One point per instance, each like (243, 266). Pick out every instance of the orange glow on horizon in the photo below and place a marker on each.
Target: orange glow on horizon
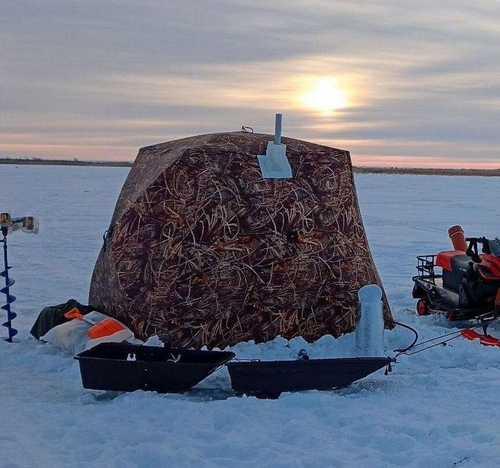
(128, 153)
(420, 162)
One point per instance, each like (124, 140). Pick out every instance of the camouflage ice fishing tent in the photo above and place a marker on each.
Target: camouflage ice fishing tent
(203, 250)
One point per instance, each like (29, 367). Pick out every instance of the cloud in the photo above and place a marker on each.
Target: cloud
(97, 79)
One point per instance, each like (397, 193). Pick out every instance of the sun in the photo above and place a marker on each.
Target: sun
(325, 96)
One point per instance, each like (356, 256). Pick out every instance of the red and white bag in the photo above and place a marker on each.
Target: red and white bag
(86, 331)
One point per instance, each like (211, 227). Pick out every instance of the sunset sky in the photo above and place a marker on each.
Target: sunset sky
(402, 83)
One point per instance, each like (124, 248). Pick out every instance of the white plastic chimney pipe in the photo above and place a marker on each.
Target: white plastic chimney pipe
(370, 329)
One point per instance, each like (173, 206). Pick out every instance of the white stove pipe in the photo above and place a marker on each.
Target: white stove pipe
(370, 328)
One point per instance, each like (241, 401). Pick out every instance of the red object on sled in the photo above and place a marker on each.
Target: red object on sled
(486, 340)
(470, 334)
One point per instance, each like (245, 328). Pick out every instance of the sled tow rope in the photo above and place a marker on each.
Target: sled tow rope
(415, 347)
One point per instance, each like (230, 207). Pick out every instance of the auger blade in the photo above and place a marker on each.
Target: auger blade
(5, 289)
(10, 300)
(11, 316)
(12, 334)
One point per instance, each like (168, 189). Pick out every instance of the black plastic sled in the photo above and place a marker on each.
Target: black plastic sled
(268, 379)
(125, 367)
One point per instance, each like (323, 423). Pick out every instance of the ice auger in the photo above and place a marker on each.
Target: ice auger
(7, 225)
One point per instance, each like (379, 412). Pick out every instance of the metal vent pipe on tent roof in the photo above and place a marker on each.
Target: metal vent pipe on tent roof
(277, 129)
(274, 164)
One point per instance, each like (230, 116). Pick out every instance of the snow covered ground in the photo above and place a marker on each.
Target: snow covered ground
(437, 409)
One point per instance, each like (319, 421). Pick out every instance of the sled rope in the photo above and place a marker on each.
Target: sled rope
(403, 350)
(414, 345)
(452, 336)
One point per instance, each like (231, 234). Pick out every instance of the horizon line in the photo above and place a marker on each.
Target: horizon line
(394, 169)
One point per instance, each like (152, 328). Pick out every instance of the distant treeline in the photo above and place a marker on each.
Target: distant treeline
(428, 171)
(63, 162)
(357, 169)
